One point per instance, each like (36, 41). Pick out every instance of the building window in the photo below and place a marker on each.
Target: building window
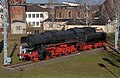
(37, 15)
(69, 14)
(36, 31)
(26, 15)
(18, 27)
(24, 31)
(50, 25)
(96, 18)
(33, 15)
(37, 23)
(29, 15)
(29, 24)
(59, 26)
(78, 14)
(41, 15)
(33, 23)
(59, 14)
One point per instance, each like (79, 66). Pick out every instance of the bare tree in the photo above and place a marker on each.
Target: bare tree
(111, 8)
(116, 8)
(89, 8)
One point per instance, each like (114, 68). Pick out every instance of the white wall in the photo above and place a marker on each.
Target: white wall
(110, 28)
(20, 30)
(56, 25)
(102, 27)
(36, 19)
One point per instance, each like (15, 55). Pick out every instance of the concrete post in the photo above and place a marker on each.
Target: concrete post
(116, 22)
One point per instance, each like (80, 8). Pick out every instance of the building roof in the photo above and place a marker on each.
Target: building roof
(35, 8)
(68, 21)
(75, 22)
(18, 21)
(99, 21)
(56, 20)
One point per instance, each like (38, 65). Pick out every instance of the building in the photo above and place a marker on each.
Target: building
(70, 16)
(35, 14)
(18, 27)
(74, 12)
(59, 24)
(64, 24)
(16, 12)
(98, 22)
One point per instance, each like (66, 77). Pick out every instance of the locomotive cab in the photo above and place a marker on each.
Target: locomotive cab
(25, 50)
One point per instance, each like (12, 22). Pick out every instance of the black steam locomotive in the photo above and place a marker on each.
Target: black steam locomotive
(51, 44)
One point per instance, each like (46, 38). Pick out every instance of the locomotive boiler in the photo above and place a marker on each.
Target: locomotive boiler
(51, 44)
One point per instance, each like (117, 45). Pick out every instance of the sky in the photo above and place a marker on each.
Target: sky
(44, 1)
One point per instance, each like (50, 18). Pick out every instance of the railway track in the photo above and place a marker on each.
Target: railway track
(110, 46)
(21, 65)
